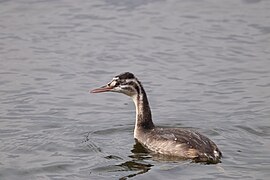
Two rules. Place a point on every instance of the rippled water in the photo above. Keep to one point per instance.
(204, 64)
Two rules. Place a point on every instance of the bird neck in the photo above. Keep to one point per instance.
(143, 112)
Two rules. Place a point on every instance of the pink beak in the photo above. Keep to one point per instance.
(102, 89)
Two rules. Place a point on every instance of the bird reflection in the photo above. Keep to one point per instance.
(138, 165)
(139, 162)
(139, 153)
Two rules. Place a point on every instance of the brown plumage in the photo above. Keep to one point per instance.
(178, 142)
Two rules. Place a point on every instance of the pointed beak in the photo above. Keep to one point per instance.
(105, 88)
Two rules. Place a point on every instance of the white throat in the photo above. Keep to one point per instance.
(137, 101)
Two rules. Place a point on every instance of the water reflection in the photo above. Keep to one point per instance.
(134, 166)
(140, 162)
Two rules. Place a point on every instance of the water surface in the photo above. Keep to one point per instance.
(204, 64)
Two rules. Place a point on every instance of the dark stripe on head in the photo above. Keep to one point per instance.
(138, 89)
(126, 75)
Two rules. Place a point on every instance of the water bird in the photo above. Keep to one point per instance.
(176, 142)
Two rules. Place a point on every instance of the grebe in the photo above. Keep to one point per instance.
(178, 142)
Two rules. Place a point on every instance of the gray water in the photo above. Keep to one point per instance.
(204, 64)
